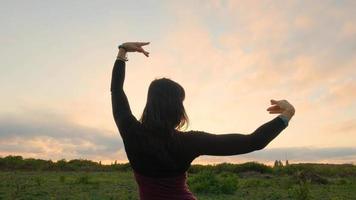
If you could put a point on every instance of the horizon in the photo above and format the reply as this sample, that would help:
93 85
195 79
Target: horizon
231 57
270 164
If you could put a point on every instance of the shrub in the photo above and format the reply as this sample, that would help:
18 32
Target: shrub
38 181
312 176
301 191
209 182
83 179
62 179
251 183
253 166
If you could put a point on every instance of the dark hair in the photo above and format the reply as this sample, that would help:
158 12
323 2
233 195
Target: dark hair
164 111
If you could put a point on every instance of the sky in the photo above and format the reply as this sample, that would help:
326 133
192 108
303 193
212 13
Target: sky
232 57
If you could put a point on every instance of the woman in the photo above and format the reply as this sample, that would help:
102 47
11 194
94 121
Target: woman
159 153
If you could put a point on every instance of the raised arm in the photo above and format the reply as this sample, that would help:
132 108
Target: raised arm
120 105
203 143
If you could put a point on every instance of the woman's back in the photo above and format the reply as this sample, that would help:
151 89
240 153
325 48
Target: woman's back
171 156
154 156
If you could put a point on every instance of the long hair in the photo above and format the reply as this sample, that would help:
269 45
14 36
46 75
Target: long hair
164 111
163 115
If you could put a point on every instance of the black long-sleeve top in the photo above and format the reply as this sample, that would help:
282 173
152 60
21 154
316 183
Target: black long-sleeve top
184 147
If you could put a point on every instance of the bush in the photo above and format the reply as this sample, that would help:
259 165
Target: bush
62 179
253 166
233 168
312 176
301 191
326 170
209 182
83 179
251 183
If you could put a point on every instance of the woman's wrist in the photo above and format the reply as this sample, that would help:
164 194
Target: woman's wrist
285 119
122 54
288 113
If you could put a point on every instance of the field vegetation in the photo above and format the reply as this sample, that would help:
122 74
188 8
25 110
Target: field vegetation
84 179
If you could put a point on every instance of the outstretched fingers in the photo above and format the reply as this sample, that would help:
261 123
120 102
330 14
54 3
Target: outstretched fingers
140 49
142 43
143 51
146 53
281 106
273 101
275 111
275 107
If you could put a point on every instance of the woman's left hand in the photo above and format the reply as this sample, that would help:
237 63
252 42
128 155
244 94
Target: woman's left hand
135 46
283 107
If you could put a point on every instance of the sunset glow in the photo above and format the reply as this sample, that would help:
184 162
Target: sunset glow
230 56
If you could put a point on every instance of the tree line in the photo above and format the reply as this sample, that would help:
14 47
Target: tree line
10 163
29 164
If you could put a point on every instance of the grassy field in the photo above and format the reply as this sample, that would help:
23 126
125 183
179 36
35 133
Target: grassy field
121 185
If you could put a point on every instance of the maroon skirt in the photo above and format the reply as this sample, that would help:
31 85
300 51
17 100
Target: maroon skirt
172 188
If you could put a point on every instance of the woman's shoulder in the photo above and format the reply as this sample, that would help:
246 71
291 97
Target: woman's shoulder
191 133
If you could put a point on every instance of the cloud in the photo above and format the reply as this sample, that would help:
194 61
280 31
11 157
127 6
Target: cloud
48 135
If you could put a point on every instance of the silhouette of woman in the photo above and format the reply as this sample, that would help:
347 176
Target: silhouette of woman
158 151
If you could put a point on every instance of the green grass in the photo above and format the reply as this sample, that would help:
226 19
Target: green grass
121 186
67 185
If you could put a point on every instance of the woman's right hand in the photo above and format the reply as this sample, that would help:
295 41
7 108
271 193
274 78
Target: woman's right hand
136 46
283 107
